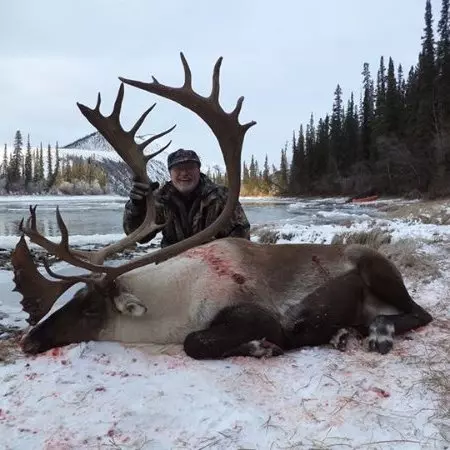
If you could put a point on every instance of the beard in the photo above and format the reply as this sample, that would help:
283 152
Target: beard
185 187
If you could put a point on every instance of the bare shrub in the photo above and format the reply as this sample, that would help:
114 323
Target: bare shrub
287 236
268 237
373 238
66 188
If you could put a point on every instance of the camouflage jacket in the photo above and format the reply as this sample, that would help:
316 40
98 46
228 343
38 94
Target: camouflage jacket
186 217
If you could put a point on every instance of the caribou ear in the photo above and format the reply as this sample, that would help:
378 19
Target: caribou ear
130 305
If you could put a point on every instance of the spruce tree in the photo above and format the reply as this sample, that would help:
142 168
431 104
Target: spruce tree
16 159
41 175
28 172
367 116
380 100
5 162
351 131
443 68
284 180
392 104
297 179
49 165
336 130
266 172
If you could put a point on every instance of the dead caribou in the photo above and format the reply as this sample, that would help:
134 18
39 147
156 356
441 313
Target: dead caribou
217 297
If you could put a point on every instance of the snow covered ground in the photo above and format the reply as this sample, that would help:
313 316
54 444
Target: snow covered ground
110 396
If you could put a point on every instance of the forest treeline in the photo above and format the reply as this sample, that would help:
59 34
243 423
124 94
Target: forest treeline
39 171
391 138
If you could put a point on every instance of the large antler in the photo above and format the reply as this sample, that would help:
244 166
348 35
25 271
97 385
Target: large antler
133 154
230 135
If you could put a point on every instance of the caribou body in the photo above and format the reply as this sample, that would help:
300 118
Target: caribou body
217 297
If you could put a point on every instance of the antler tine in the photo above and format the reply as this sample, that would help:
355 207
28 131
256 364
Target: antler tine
152 155
215 90
154 138
230 135
187 73
122 141
141 119
74 278
61 250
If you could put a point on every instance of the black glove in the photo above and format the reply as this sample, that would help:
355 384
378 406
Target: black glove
139 190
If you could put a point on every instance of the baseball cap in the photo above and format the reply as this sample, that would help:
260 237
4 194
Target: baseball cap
182 156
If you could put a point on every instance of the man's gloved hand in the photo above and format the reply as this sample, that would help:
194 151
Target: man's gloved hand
139 190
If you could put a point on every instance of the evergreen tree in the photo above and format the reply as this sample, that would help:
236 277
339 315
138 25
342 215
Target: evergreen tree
284 176
266 176
443 68
322 150
351 131
28 171
336 131
5 162
56 170
16 159
49 166
380 100
392 104
367 116
298 172
245 174
35 163
41 175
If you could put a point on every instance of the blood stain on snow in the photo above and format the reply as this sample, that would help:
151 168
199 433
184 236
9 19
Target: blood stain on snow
380 392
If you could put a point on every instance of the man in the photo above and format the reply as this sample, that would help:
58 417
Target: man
189 203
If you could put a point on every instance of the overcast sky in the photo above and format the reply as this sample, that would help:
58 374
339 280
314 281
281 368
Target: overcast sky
285 57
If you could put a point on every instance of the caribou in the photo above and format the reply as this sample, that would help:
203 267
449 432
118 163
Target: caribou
216 297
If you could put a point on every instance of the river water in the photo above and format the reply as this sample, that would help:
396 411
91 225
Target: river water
102 215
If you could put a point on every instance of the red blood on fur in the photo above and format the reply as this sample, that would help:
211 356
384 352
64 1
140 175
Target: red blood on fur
238 278
220 265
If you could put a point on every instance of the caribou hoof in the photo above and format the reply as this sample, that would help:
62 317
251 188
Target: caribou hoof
258 348
340 339
381 336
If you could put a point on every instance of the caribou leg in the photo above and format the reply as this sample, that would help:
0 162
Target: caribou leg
388 308
383 327
241 330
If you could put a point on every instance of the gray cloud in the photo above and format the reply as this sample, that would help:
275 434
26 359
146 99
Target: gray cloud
284 57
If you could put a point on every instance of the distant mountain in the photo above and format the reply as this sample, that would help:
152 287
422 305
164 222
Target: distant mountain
96 147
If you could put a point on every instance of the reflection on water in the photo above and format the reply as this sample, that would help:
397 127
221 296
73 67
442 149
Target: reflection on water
103 215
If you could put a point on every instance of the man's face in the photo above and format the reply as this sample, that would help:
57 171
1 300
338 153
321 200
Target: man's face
185 177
